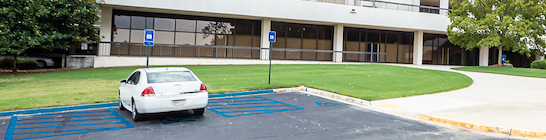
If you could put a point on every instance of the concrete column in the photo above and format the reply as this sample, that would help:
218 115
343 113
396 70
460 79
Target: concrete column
338 43
418 48
539 56
416 3
357 2
105 30
484 56
349 2
264 42
106 24
445 5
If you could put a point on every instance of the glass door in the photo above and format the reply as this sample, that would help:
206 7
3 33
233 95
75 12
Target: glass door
372 48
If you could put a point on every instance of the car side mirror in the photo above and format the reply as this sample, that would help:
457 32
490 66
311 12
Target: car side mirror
123 81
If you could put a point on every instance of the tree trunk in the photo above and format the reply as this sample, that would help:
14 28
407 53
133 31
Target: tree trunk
14 69
500 55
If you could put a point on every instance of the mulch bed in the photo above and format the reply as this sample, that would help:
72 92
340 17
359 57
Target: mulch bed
6 72
506 66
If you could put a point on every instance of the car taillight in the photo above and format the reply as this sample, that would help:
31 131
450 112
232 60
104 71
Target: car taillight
148 91
203 87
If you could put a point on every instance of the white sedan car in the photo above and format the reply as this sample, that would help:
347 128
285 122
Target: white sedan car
154 90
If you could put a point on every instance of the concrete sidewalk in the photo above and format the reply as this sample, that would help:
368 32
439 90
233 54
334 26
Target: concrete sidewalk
494 102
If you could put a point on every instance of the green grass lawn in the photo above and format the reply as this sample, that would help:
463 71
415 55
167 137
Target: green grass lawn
369 82
529 72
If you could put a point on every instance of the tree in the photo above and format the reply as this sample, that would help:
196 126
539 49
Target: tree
511 25
47 24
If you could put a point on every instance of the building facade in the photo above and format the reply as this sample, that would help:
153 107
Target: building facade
308 31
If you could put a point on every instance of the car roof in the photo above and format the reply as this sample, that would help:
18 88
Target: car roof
160 69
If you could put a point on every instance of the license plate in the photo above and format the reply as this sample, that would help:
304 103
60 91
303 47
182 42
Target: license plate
179 102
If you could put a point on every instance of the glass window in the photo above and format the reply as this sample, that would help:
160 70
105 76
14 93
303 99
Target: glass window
406 38
165 24
325 32
224 40
225 27
428 39
363 33
138 22
137 36
149 23
185 38
172 76
205 26
294 31
185 25
121 35
122 21
204 39
163 37
392 38
134 78
279 28
443 42
257 28
244 28
243 40
373 36
353 35
309 32
404 53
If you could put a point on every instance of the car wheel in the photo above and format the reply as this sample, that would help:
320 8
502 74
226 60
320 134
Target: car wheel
199 112
136 116
41 64
121 107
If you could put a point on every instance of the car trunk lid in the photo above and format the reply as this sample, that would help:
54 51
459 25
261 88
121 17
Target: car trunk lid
176 88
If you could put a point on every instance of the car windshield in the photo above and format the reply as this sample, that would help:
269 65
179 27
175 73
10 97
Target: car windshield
170 76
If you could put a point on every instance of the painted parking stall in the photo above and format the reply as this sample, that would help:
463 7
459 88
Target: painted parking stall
247 105
282 115
63 124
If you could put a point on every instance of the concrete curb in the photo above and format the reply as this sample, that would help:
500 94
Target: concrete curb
487 128
337 96
112 104
240 93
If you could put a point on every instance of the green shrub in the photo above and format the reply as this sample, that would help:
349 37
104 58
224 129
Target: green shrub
539 64
21 64
7 63
27 64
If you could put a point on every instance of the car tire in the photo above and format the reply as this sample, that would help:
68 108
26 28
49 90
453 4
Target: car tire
199 112
134 112
41 64
121 107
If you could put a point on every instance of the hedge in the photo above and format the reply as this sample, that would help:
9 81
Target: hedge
539 64
21 64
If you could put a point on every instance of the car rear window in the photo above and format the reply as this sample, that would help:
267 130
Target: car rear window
170 76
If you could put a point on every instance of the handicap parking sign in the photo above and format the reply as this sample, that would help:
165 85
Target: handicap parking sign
503 58
149 37
272 36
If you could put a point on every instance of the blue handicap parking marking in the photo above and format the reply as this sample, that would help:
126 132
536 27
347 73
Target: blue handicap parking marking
63 124
248 105
327 104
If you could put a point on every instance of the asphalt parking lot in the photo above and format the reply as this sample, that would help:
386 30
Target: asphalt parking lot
291 115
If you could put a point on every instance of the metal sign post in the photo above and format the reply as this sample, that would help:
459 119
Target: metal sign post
148 42
272 38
